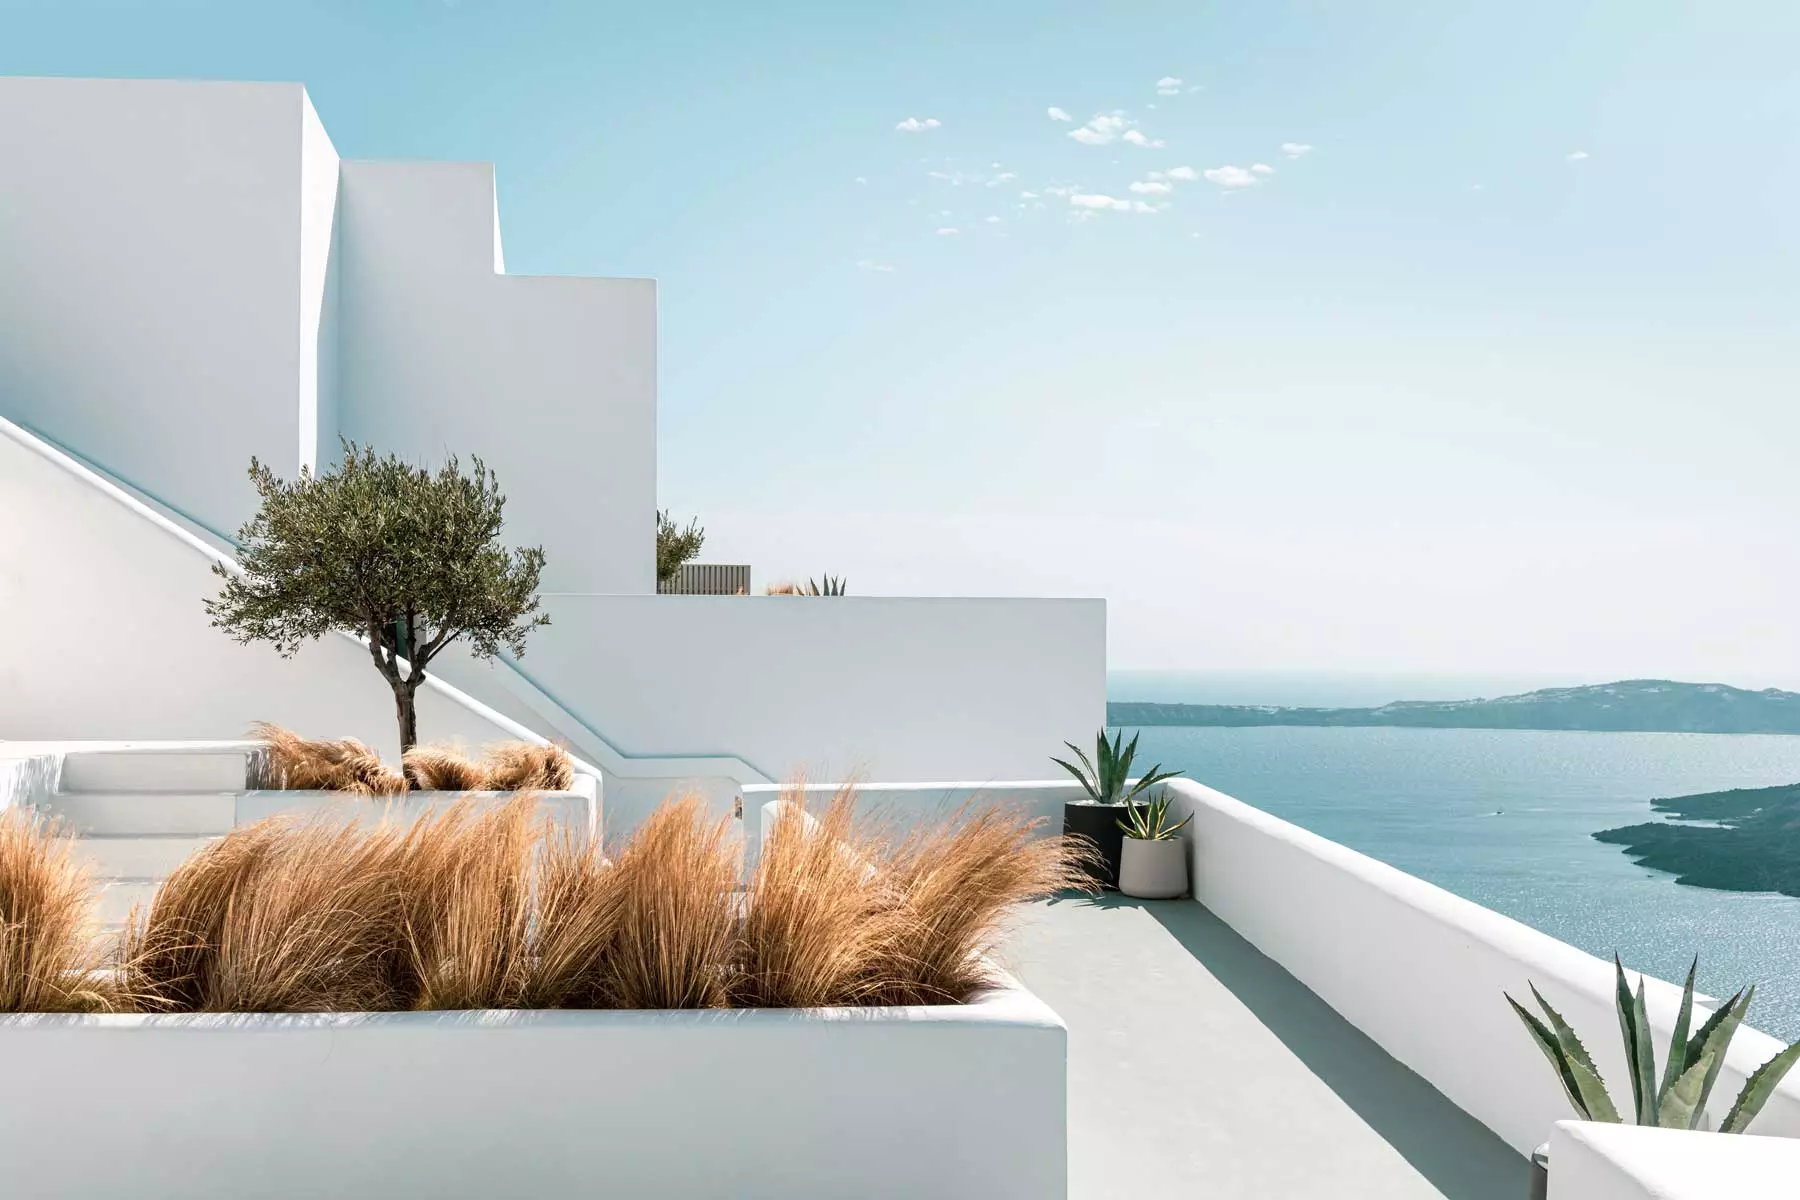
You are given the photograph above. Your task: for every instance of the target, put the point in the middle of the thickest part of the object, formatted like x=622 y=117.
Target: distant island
x=1629 y=706
x=1751 y=845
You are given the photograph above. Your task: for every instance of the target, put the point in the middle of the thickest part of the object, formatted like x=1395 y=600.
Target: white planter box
x=965 y=1100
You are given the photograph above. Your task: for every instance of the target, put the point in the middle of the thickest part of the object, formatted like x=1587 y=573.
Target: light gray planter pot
x=1153 y=870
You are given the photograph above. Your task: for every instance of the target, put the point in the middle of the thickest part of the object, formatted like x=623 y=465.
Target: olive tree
x=406 y=558
x=675 y=545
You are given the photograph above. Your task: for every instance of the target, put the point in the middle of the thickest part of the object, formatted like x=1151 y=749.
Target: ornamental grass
x=347 y=765
x=48 y=960
x=478 y=904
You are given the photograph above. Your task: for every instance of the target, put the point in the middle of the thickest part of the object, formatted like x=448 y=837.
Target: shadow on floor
x=1461 y=1157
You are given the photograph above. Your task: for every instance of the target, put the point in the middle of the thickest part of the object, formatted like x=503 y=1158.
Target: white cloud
x=1185 y=174
x=1057 y=114
x=1002 y=178
x=1295 y=149
x=948 y=232
x=1576 y=156
x=1230 y=176
x=1152 y=187
x=1137 y=138
x=992 y=220
x=915 y=125
x=860 y=179
x=1060 y=189
x=1168 y=85
x=869 y=264
x=1102 y=129
x=1028 y=195
x=1097 y=202
x=1262 y=168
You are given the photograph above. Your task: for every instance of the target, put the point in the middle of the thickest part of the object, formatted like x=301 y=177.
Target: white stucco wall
x=959 y=1100
x=890 y=688
x=1623 y=1162
x=105 y=636
x=1422 y=972
x=151 y=259
x=319 y=265
x=552 y=380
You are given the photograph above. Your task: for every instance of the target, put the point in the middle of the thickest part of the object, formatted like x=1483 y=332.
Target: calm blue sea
x=1505 y=817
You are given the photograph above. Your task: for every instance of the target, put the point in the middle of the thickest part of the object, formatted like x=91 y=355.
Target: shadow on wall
x=1461 y=1157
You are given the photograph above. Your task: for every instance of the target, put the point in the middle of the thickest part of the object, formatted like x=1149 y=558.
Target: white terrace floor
x=1198 y=1067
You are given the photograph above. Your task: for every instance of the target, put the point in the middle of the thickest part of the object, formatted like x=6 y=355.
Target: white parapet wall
x=956 y=1100
x=1624 y=1162
x=1422 y=972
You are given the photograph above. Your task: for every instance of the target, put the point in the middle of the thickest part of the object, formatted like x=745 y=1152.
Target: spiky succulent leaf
x=1715 y=1036
x=1080 y=778
x=1565 y=1035
x=1757 y=1090
x=1678 y=1063
x=1635 y=1038
x=1645 y=1084
x=1679 y=1105
x=1593 y=1093
x=1559 y=1061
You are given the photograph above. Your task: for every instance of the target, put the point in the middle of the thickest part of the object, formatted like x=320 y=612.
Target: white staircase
x=139 y=811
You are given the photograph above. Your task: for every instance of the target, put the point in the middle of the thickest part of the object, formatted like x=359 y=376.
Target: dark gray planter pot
x=1099 y=823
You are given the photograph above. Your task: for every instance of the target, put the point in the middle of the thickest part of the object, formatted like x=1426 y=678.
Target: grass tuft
x=677 y=879
x=954 y=886
x=330 y=764
x=439 y=767
x=517 y=766
x=48 y=958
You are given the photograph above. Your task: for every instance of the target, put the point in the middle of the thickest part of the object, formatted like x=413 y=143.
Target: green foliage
x=1105 y=776
x=409 y=559
x=833 y=586
x=1150 y=822
x=1688 y=1078
x=675 y=545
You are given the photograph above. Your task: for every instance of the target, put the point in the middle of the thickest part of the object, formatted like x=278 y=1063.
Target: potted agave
x=1152 y=861
x=1106 y=778
x=1679 y=1101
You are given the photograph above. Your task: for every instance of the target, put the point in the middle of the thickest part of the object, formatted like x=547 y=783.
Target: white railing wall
x=1422 y=972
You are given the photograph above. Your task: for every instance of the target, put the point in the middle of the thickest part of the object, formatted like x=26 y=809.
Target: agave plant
x=1105 y=776
x=1150 y=822
x=832 y=585
x=1679 y=1102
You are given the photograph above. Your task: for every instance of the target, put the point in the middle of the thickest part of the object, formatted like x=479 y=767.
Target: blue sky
x=1499 y=373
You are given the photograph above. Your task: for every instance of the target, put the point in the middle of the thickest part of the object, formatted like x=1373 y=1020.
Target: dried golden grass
x=516 y=766
x=677 y=881
x=479 y=905
x=954 y=886
x=467 y=890
x=347 y=765
x=48 y=960
x=279 y=916
x=818 y=913
x=331 y=764
x=438 y=767
x=580 y=907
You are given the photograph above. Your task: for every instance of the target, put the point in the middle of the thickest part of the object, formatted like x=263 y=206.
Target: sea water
x=1506 y=818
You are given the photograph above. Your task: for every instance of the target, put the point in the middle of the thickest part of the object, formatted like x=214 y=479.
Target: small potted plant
x=1106 y=778
x=1153 y=860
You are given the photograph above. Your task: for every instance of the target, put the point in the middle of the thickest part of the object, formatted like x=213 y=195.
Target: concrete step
x=116 y=900
x=137 y=858
x=177 y=768
x=138 y=813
